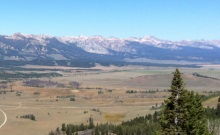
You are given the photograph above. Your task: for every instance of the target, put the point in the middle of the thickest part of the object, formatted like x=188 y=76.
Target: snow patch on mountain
x=102 y=45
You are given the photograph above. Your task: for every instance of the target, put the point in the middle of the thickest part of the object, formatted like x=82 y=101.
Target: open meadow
x=107 y=94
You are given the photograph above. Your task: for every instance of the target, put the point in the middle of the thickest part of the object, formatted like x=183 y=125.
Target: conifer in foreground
x=183 y=113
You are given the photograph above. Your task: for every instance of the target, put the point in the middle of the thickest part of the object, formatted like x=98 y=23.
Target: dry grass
x=114 y=117
x=115 y=106
x=211 y=102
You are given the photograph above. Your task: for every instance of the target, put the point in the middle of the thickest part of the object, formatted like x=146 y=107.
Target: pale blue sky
x=165 y=19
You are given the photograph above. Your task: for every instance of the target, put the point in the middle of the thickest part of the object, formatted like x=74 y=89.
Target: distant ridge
x=28 y=47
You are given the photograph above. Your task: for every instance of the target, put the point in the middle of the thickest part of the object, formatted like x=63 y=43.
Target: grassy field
x=101 y=95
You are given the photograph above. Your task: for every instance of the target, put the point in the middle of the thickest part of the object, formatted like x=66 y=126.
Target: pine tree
x=218 y=108
x=91 y=124
x=183 y=113
x=170 y=119
x=63 y=127
x=96 y=130
x=196 y=121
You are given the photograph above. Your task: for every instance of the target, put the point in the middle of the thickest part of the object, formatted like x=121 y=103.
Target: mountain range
x=29 y=47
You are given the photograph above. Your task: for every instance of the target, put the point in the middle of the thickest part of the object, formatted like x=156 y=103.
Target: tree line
x=143 y=125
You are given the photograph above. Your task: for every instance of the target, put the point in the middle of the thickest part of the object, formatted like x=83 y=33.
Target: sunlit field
x=109 y=94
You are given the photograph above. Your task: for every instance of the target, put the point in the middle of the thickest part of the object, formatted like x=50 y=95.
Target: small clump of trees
x=42 y=83
x=28 y=116
x=72 y=99
x=100 y=92
x=131 y=91
x=149 y=91
x=74 y=84
x=204 y=76
x=20 y=75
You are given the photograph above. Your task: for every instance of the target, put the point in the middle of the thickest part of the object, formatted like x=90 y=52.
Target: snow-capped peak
x=103 y=45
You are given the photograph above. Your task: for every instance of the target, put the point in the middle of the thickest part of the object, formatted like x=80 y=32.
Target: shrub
x=100 y=92
x=72 y=99
x=36 y=93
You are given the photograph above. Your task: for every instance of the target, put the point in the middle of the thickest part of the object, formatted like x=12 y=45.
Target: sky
x=164 y=19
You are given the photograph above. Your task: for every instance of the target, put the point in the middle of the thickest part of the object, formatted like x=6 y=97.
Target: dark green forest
x=84 y=63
